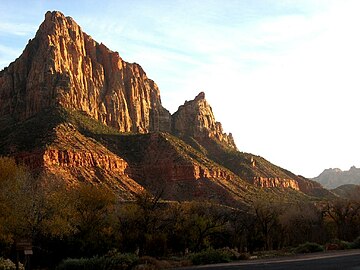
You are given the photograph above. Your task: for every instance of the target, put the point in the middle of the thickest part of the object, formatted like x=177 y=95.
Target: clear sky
x=281 y=75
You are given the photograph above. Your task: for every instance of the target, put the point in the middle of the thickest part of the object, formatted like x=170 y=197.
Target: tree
x=30 y=205
x=200 y=223
x=34 y=208
x=141 y=224
x=267 y=215
x=346 y=216
x=302 y=223
x=92 y=208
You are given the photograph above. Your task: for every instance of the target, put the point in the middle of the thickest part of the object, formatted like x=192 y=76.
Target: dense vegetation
x=89 y=222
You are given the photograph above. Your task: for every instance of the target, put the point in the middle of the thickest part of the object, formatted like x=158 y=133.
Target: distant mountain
x=349 y=191
x=333 y=178
x=71 y=107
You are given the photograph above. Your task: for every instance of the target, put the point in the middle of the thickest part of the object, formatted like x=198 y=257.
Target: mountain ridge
x=72 y=107
x=335 y=177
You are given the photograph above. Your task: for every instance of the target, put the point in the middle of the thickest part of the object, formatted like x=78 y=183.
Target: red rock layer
x=276 y=182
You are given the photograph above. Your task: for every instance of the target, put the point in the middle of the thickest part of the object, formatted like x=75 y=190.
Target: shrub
x=7 y=264
x=234 y=254
x=123 y=261
x=210 y=256
x=308 y=247
x=355 y=243
x=118 y=261
x=337 y=245
x=150 y=263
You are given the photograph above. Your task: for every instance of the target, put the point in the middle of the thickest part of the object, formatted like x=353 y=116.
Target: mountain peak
x=50 y=15
x=353 y=168
x=54 y=22
x=200 y=96
x=63 y=66
x=196 y=119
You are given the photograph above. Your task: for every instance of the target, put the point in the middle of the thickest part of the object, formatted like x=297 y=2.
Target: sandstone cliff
x=64 y=66
x=276 y=182
x=196 y=119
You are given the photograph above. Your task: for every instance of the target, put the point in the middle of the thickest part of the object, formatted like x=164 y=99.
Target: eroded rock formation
x=196 y=119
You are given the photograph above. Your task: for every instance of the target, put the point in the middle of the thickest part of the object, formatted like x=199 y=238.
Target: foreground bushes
x=6 y=264
x=309 y=247
x=119 y=262
x=210 y=256
x=355 y=243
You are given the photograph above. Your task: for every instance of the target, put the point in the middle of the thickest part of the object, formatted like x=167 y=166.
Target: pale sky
x=281 y=75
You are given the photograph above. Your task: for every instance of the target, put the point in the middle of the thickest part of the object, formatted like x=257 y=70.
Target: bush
x=6 y=264
x=123 y=261
x=210 y=256
x=117 y=261
x=337 y=244
x=234 y=254
x=308 y=247
x=355 y=243
x=150 y=263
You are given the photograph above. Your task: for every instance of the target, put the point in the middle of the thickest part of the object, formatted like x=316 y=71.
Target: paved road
x=343 y=260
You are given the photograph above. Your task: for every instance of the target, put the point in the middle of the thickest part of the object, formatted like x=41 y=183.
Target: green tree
x=142 y=225
x=200 y=223
x=30 y=205
x=92 y=217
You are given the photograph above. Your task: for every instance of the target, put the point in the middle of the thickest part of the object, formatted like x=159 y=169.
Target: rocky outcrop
x=84 y=159
x=64 y=66
x=196 y=119
x=276 y=182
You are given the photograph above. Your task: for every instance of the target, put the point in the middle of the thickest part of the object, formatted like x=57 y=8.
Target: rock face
x=333 y=178
x=64 y=66
x=196 y=119
x=276 y=182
